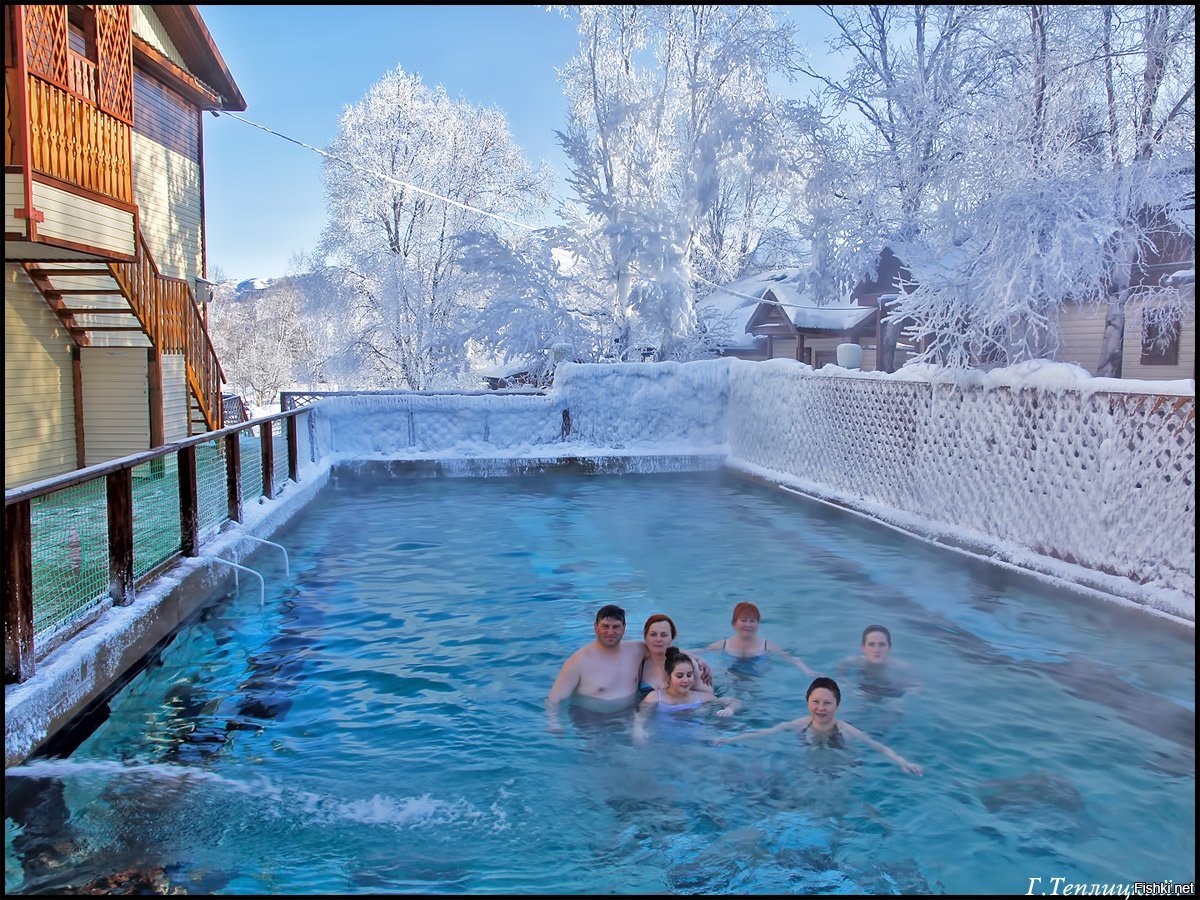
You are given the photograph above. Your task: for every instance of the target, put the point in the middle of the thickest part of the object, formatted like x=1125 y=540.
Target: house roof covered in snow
x=806 y=315
x=744 y=304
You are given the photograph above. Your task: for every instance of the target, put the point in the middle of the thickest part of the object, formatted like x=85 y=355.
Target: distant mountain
x=253 y=284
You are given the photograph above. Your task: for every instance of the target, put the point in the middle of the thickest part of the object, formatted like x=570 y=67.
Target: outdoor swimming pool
x=378 y=725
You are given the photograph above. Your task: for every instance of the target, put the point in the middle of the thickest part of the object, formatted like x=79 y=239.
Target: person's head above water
x=677 y=664
x=876 y=643
x=655 y=619
x=827 y=684
x=611 y=611
x=610 y=626
x=745 y=610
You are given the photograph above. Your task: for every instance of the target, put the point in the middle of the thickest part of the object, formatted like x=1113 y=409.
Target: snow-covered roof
x=1182 y=277
x=513 y=367
x=807 y=315
x=736 y=302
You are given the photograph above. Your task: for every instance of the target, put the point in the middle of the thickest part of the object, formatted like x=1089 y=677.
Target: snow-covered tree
x=674 y=156
x=262 y=339
x=1149 y=64
x=392 y=250
x=915 y=73
x=991 y=159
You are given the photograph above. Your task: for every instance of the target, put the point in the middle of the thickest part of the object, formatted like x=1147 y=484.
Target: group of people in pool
x=611 y=674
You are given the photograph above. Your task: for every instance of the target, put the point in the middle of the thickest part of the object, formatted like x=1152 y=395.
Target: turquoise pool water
x=378 y=725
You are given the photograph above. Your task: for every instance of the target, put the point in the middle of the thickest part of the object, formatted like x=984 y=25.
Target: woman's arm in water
x=793 y=725
x=796 y=661
x=910 y=768
x=729 y=705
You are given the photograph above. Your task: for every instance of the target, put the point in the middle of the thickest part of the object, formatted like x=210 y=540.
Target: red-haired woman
x=745 y=644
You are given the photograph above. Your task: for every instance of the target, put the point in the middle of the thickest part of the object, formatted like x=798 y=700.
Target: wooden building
x=106 y=349
x=772 y=316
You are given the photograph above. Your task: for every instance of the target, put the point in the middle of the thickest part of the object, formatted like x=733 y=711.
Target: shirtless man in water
x=602 y=674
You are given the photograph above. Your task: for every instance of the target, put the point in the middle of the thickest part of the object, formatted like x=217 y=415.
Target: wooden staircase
x=133 y=305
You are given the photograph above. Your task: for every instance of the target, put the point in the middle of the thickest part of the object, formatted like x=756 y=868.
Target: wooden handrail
x=166 y=309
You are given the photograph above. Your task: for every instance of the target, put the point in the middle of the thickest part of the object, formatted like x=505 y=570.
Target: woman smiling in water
x=745 y=644
x=821 y=725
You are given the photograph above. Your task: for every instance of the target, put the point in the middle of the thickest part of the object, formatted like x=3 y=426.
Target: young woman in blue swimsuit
x=745 y=644
x=821 y=726
x=678 y=694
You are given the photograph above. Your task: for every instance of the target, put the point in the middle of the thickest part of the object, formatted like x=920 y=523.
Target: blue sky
x=299 y=66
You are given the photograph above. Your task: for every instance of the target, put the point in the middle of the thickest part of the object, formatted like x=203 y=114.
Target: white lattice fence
x=1103 y=480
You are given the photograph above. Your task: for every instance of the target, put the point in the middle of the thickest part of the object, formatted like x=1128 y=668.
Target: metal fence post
x=233 y=474
x=268 y=458
x=189 y=501
x=18 y=593
x=120 y=535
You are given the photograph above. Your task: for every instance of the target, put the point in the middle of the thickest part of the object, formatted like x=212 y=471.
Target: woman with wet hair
x=822 y=727
x=679 y=694
x=745 y=644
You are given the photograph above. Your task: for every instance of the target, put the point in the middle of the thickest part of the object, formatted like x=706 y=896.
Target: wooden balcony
x=68 y=139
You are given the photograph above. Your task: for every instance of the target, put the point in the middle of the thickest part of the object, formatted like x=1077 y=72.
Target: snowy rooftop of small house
x=736 y=302
x=806 y=314
x=504 y=370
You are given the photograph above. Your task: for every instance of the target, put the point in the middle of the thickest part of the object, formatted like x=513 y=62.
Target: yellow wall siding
x=39 y=400
x=175 y=397
x=783 y=348
x=149 y=28
x=71 y=217
x=1081 y=329
x=166 y=186
x=116 y=403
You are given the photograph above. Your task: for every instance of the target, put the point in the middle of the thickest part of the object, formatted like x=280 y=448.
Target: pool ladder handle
x=286 y=570
x=262 y=584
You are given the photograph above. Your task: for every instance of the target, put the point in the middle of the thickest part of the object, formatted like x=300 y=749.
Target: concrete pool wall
x=1087 y=482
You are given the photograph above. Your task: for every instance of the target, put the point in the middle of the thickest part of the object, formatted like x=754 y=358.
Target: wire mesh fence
x=63 y=546
x=156 y=529
x=212 y=491
x=279 y=450
x=252 y=483
x=69 y=554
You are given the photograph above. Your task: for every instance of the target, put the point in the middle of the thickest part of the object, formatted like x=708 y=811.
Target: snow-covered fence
x=1095 y=472
x=1104 y=479
x=395 y=424
x=662 y=405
